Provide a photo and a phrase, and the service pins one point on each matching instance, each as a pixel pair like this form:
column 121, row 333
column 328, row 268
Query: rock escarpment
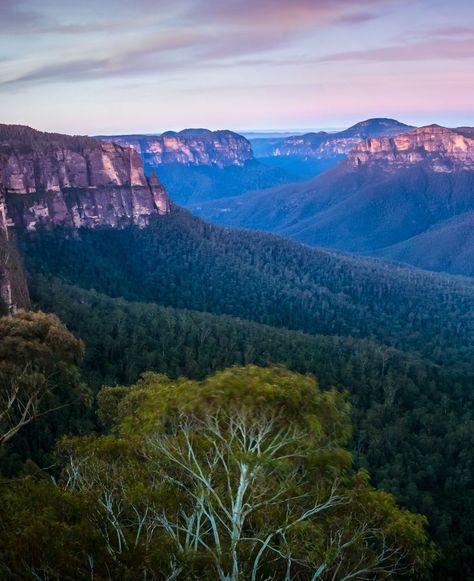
column 323, row 145
column 13, row 287
column 75, row 181
column 442, row 150
column 189, row 147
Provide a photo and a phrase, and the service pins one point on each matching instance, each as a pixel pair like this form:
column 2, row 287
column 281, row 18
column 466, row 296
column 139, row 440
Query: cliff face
column 438, row 148
column 323, row 145
column 13, row 287
column 54, row 179
column 190, row 147
column 5, row 283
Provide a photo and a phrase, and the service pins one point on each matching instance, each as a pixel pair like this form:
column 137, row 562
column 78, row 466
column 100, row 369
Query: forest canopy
column 244, row 475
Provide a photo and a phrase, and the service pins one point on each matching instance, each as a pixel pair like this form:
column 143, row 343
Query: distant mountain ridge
column 189, row 147
column 323, row 145
column 197, row 165
column 389, row 197
column 310, row 154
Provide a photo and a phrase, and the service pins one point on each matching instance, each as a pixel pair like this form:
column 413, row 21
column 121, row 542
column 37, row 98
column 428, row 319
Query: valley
column 149, row 287
column 388, row 197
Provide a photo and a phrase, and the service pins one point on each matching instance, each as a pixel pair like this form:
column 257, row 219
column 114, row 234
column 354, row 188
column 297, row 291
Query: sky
column 145, row 66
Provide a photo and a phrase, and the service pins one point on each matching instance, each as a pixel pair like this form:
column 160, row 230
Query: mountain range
column 197, row 165
column 408, row 197
column 188, row 147
column 312, row 153
column 148, row 286
column 74, row 181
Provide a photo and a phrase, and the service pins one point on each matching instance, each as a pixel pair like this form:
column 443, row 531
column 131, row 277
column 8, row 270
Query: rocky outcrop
column 189, row 147
column 323, row 145
column 438, row 148
column 13, row 287
column 76, row 181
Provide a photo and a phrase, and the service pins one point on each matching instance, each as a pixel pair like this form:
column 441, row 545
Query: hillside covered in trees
column 186, row 298
column 184, row 262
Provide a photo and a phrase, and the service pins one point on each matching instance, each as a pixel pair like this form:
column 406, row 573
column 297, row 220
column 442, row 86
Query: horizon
column 266, row 66
column 252, row 133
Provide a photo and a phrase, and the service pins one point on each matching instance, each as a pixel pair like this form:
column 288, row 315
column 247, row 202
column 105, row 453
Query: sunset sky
column 116, row 66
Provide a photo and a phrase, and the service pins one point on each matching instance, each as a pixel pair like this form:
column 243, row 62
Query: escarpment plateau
column 189, row 147
column 52, row 179
column 441, row 149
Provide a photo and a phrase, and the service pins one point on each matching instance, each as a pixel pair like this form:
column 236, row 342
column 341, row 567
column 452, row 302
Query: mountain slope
column 325, row 145
column 388, row 191
column 183, row 262
column 190, row 184
column 447, row 246
column 163, row 254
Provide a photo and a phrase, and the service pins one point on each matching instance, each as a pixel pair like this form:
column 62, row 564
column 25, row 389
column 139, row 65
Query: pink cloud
column 435, row 49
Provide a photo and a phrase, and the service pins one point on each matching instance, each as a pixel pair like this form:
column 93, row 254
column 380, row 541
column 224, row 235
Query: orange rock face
column 444, row 150
column 76, row 181
column 190, row 147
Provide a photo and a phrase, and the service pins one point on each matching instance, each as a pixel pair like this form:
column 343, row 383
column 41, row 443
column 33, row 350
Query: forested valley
column 186, row 299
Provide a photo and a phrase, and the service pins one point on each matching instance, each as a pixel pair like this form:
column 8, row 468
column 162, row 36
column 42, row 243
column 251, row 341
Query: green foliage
column 413, row 424
column 39, row 375
column 45, row 532
column 412, row 420
column 241, row 476
column 183, row 262
column 293, row 398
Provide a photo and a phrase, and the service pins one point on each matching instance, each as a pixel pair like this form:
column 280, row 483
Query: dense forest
column 184, row 262
column 186, row 299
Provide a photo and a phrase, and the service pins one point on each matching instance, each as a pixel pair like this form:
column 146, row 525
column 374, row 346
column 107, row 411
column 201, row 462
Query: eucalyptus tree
column 243, row 476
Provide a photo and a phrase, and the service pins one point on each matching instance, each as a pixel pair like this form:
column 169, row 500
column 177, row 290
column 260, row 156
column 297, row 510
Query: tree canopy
column 244, row 475
column 39, row 361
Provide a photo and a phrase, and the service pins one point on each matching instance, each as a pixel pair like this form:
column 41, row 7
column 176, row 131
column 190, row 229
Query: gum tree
column 241, row 476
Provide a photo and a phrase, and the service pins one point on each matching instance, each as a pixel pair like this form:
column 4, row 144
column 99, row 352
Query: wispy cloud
column 200, row 33
column 276, row 55
column 19, row 16
column 435, row 49
column 295, row 13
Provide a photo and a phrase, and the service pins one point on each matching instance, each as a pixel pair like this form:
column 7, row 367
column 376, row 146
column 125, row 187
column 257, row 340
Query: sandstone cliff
column 13, row 287
column 76, row 181
column 440, row 149
column 189, row 147
column 323, row 145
